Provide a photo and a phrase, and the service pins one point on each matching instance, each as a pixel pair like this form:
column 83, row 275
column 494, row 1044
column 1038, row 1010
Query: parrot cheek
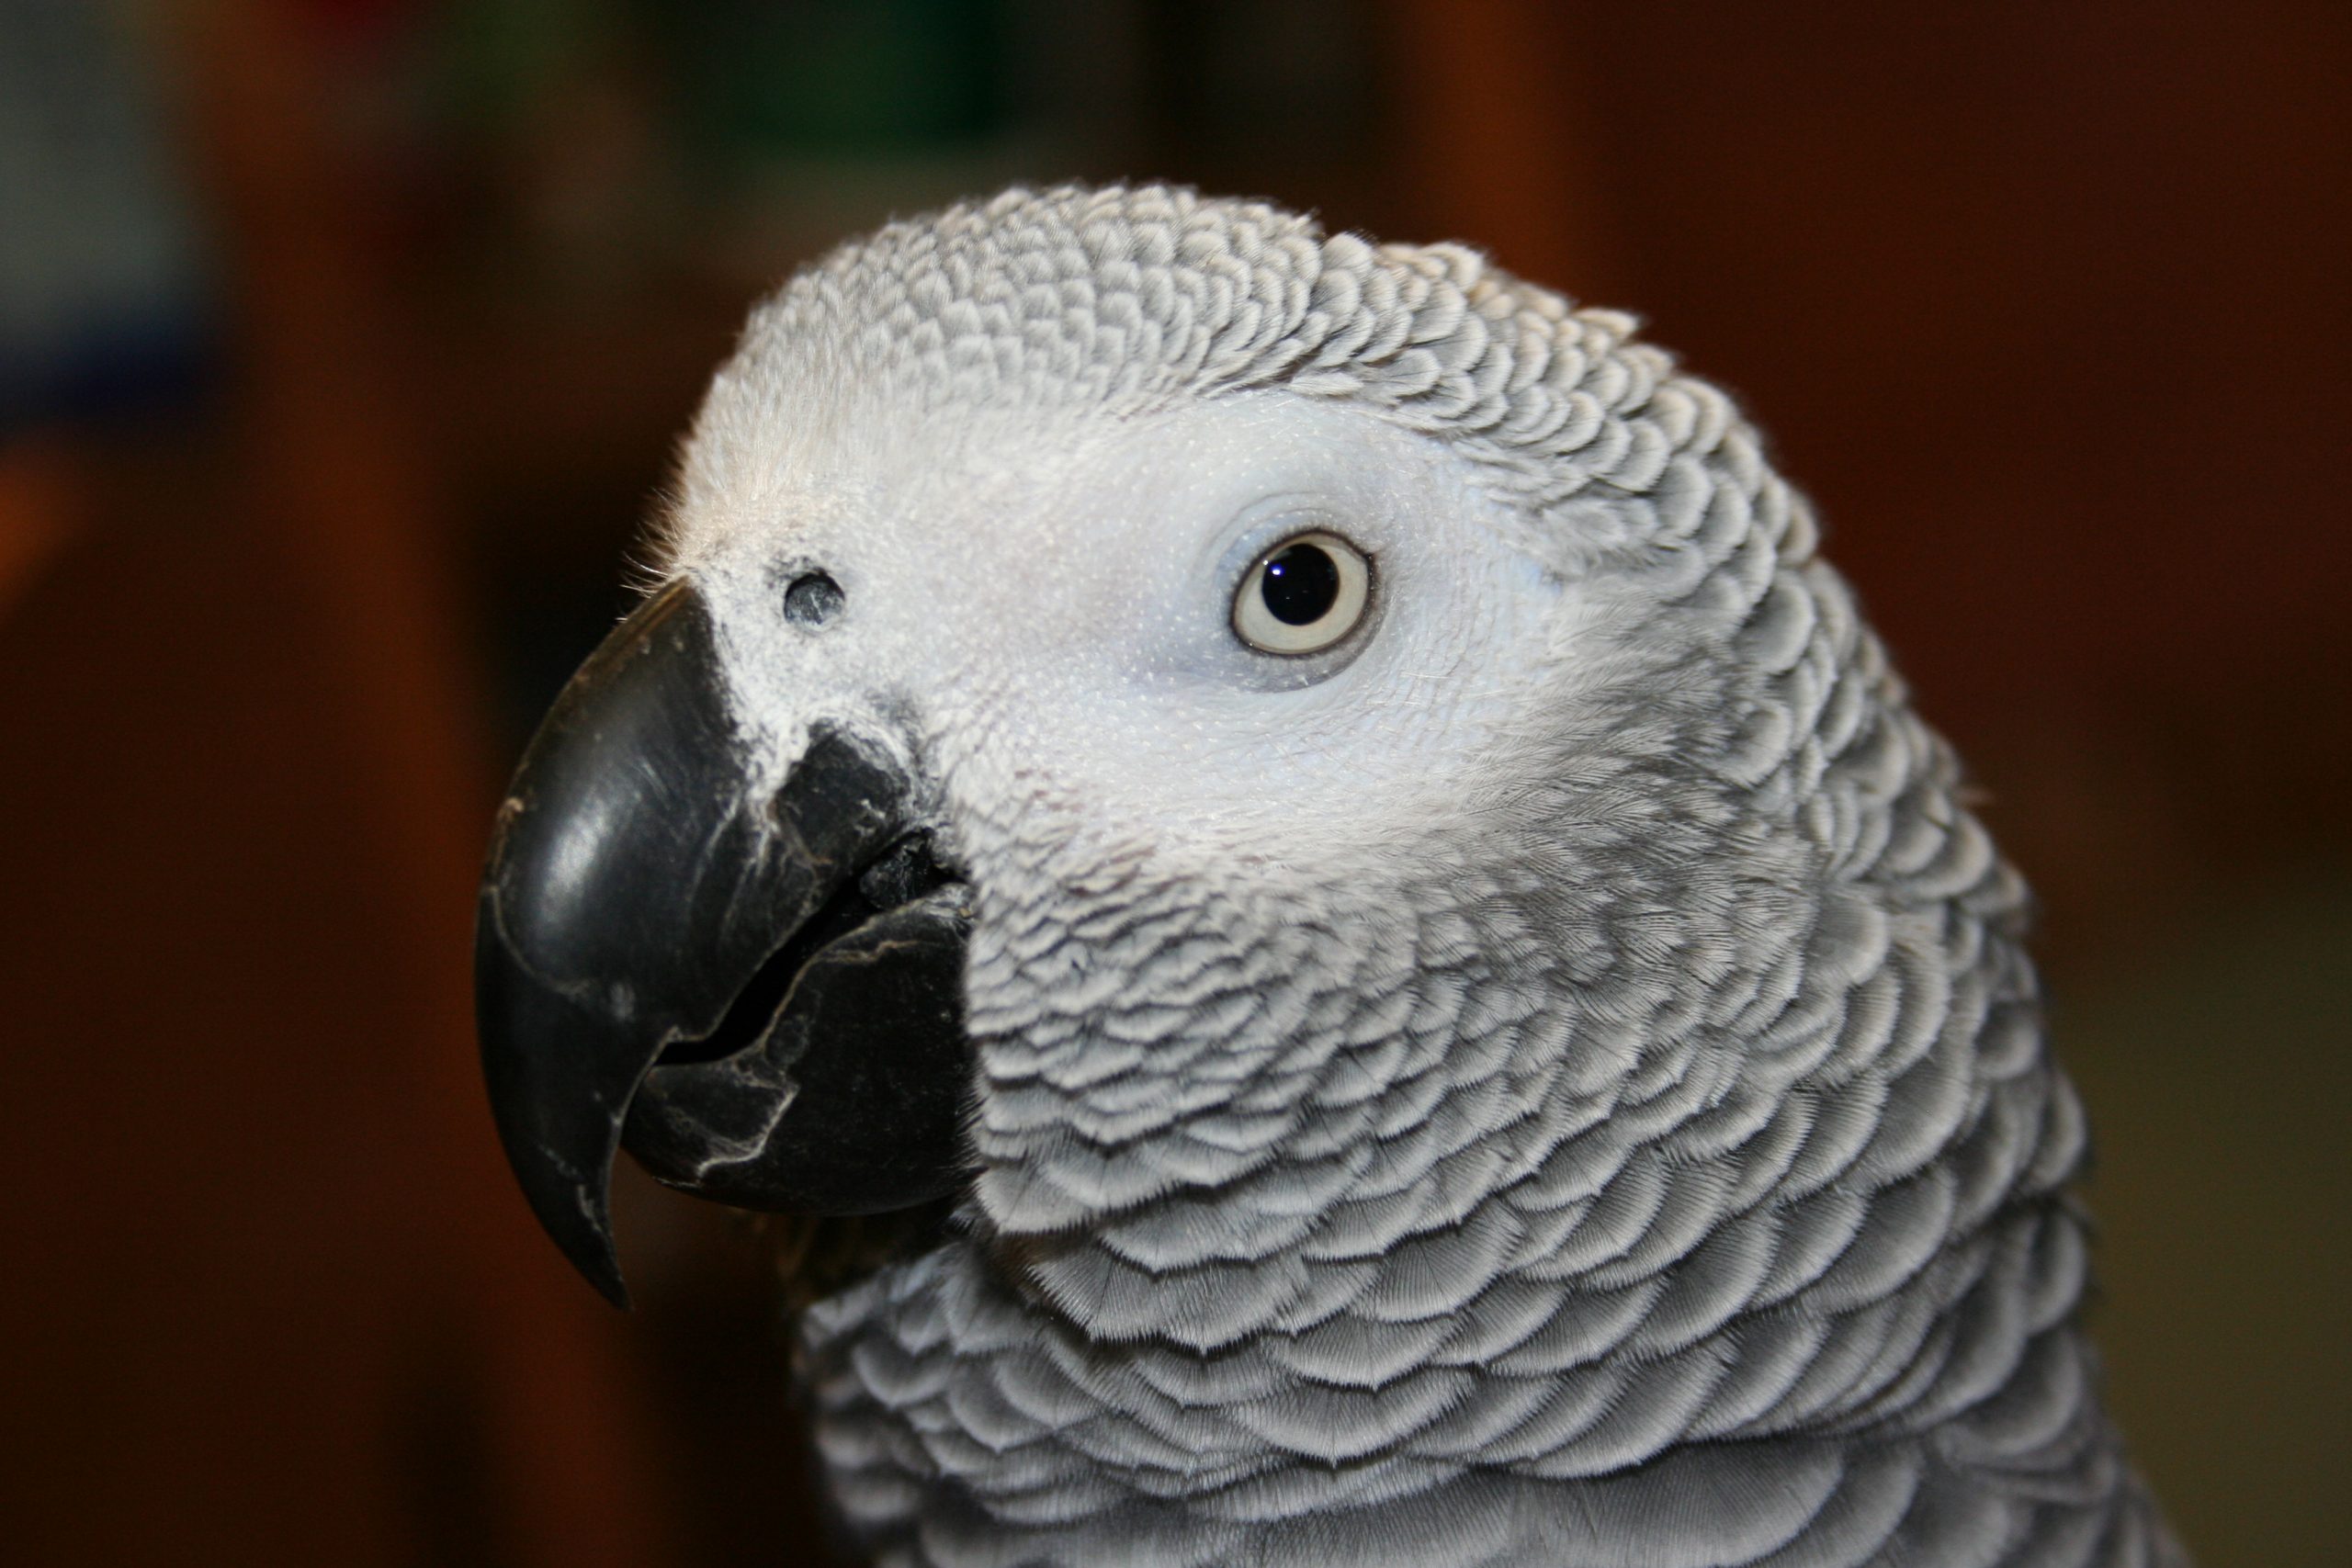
column 755, row 988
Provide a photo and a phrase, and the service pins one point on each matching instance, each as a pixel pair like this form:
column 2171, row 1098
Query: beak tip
column 608, row 1283
column 580, row 1224
column 599, row 1261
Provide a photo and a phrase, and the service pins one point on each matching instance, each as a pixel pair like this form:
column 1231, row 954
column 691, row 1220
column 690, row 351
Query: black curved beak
column 759, row 990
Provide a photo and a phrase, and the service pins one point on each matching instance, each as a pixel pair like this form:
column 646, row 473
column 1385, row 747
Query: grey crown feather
column 1672, row 1174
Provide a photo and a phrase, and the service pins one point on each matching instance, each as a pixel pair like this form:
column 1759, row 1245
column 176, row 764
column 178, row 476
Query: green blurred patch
column 2216, row 1073
column 823, row 77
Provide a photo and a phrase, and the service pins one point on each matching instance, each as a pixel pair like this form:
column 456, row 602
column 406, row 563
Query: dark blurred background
column 342, row 348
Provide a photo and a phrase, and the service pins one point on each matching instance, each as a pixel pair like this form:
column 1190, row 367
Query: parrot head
column 1163, row 724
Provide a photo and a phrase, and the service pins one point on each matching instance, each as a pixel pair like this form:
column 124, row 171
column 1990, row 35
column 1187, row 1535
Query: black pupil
column 1302, row 583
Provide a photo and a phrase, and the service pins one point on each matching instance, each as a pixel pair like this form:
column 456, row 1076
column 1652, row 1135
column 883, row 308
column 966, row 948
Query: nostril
column 812, row 600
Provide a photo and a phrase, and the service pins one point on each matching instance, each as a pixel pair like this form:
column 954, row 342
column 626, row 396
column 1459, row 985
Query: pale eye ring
column 1303, row 596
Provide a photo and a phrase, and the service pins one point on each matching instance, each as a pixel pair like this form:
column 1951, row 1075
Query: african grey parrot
column 1309, row 810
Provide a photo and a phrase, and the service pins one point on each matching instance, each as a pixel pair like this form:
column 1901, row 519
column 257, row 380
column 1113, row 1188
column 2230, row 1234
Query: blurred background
column 344, row 344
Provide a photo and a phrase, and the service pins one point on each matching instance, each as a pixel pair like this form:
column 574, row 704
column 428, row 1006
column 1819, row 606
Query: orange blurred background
column 343, row 346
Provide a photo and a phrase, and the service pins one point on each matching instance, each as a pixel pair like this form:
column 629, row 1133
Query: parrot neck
column 965, row 1425
column 1710, row 1198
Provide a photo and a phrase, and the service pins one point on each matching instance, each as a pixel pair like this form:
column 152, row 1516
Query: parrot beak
column 758, row 991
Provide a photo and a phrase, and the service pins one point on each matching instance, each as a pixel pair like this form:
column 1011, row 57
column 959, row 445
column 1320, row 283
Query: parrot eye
column 1303, row 595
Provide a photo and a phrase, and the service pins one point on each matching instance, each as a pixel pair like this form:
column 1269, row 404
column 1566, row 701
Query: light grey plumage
column 1564, row 1087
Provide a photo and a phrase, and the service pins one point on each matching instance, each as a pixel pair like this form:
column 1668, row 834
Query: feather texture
column 1650, row 1157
